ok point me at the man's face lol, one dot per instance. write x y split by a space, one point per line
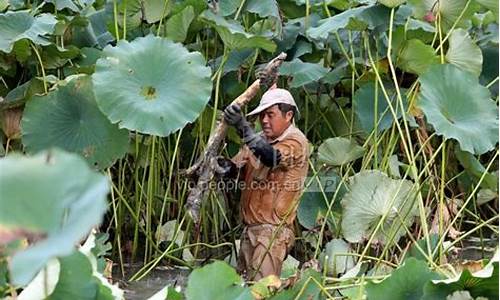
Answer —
273 122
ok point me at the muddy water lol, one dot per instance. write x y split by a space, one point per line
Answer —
152 283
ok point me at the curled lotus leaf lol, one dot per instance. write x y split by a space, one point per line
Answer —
151 85
18 25
459 108
464 53
373 195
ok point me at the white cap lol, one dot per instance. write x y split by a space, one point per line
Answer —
272 97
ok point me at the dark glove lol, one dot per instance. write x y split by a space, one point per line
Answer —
225 167
233 116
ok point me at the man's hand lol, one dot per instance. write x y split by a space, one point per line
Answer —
233 116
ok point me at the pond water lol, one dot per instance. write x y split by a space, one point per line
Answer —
152 283
163 276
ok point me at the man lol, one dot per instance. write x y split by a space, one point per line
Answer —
274 165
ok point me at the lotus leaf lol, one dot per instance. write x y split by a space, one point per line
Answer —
69 118
65 200
492 5
483 283
233 34
464 53
313 206
151 85
370 105
338 151
216 281
459 108
76 280
416 57
263 8
62 4
302 72
18 25
372 194
355 19
178 24
335 257
95 33
449 10
392 3
407 282
475 169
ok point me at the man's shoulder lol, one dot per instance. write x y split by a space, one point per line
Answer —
295 133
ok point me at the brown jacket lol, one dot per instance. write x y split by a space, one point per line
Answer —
270 195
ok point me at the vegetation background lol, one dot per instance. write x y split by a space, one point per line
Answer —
104 103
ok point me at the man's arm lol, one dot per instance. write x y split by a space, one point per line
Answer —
268 155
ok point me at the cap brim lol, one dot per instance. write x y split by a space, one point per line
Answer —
259 109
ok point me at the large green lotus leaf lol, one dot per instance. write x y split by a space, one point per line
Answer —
357 18
492 5
450 10
407 282
370 105
302 72
483 283
217 280
464 53
335 259
416 57
18 25
178 24
313 206
151 85
69 118
234 35
338 151
63 201
371 195
459 108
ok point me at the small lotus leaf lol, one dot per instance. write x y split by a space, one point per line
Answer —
335 258
464 53
217 280
69 118
302 72
459 108
53 195
151 85
338 151
18 25
372 195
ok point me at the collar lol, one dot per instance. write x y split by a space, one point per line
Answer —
287 131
